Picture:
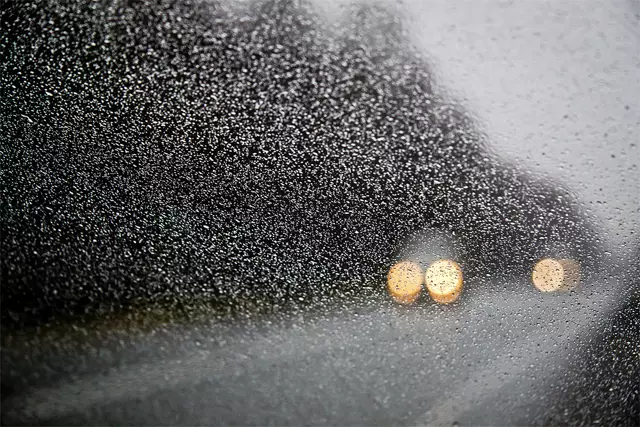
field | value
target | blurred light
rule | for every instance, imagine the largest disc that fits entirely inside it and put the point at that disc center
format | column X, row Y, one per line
column 405, row 282
column 444, row 281
column 551, row 275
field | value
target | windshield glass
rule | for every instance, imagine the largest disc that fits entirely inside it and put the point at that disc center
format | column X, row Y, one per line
column 274, row 212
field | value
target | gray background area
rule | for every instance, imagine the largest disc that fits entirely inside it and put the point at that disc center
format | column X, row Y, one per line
column 555, row 85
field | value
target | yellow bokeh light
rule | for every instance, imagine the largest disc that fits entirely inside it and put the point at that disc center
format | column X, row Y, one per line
column 551, row 275
column 444, row 281
column 405, row 282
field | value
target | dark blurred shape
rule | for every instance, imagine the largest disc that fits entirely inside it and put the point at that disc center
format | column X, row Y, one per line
column 177, row 150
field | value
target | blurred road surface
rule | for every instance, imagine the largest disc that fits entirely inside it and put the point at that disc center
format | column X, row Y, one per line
column 368, row 363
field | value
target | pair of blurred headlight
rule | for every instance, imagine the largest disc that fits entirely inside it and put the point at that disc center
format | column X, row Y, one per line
column 443, row 280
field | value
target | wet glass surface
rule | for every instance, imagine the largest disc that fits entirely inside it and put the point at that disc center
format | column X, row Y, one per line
column 272, row 212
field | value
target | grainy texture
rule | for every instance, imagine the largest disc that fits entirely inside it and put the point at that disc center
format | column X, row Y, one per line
column 162, row 150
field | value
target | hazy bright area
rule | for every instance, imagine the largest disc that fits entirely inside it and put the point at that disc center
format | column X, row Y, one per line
column 554, row 84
